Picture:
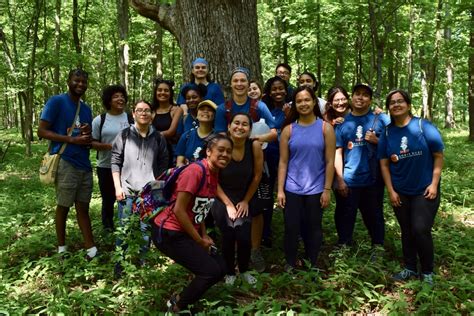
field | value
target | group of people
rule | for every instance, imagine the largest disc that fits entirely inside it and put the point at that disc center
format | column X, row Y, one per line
column 310, row 148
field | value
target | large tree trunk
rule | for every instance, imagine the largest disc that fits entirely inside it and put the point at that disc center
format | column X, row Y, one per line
column 122, row 21
column 222, row 31
column 471, row 80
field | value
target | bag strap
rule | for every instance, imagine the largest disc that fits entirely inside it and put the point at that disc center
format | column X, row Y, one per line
column 63, row 146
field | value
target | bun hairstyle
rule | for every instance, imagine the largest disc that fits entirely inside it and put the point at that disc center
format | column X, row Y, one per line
column 211, row 141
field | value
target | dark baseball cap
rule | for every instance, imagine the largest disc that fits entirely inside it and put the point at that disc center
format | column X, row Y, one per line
column 363, row 85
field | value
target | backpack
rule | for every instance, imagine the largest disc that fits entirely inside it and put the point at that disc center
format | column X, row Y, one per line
column 252, row 111
column 156, row 195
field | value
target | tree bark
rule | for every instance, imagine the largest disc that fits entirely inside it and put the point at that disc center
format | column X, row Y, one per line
column 222, row 31
column 57, row 46
column 123, row 30
column 449, row 121
column 471, row 80
column 75, row 31
column 410, row 51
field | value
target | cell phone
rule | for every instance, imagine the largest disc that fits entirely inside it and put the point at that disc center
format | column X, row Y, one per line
column 213, row 250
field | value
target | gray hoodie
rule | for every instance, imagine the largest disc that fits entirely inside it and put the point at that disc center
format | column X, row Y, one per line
column 141, row 160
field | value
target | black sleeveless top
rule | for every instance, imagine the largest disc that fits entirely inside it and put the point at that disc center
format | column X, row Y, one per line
column 162, row 121
column 236, row 177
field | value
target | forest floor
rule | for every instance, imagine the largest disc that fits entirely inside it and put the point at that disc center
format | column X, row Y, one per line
column 36, row 280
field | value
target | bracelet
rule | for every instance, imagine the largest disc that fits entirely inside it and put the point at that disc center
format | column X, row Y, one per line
column 328, row 189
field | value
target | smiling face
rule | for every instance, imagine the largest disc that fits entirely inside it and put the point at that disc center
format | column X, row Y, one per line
column 163, row 93
column 117, row 102
column 306, row 80
column 361, row 100
column 254, row 91
column 340, row 102
column 77, row 85
column 239, row 84
column 192, row 99
column 205, row 114
column 283, row 73
column 199, row 71
column 219, row 154
column 278, row 92
column 304, row 103
column 239, row 127
column 142, row 113
column 398, row 107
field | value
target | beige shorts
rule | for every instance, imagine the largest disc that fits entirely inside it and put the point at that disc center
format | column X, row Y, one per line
column 72, row 185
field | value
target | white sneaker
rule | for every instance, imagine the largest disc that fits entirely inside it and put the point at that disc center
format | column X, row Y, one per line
column 229, row 279
column 250, row 279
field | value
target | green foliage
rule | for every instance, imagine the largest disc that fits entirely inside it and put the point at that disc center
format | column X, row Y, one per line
column 36, row 280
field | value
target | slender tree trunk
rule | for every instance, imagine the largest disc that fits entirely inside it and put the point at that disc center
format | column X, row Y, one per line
column 75, row 31
column 159, row 51
column 318, row 45
column 57, row 46
column 122, row 21
column 410, row 50
column 339, row 67
column 449, row 121
column 471, row 79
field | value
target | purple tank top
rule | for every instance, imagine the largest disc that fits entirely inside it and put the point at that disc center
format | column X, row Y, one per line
column 306, row 161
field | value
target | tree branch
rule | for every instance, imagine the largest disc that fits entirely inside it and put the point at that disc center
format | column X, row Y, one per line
column 163, row 14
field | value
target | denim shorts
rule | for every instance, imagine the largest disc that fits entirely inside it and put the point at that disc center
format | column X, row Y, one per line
column 72, row 185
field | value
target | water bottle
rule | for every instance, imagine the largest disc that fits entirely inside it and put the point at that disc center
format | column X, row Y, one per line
column 260, row 128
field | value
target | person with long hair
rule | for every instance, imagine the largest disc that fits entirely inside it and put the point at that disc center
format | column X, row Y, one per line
column 166, row 114
column 238, row 183
column 305, row 175
column 179, row 231
column 307, row 78
column 337, row 105
column 255, row 90
column 411, row 160
column 275, row 92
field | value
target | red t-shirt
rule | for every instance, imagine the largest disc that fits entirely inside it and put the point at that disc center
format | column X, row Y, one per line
column 201, row 202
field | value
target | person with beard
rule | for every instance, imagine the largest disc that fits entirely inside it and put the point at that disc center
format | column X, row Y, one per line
column 66, row 119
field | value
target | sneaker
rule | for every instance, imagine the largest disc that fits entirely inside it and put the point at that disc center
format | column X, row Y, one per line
column 250, row 279
column 229, row 279
column 427, row 278
column 172, row 305
column 405, row 275
column 257, row 260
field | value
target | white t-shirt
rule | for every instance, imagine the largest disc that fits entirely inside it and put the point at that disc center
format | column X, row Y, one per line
column 112, row 126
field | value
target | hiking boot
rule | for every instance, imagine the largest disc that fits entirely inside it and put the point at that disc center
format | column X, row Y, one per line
column 428, row 278
column 247, row 277
column 405, row 275
column 230, row 280
column 257, row 260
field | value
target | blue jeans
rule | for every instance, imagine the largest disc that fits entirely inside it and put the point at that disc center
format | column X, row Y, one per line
column 369, row 200
column 124, row 216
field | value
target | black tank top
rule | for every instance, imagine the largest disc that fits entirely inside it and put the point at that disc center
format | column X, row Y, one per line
column 236, row 177
column 162, row 121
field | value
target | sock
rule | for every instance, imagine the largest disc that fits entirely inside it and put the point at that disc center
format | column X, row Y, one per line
column 62, row 249
column 92, row 252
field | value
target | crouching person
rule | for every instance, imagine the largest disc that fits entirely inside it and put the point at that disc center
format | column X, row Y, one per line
column 179, row 231
column 139, row 155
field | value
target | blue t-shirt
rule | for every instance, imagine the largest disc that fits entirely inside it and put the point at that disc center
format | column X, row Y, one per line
column 214, row 93
column 60, row 111
column 186, row 124
column 279, row 117
column 220, row 124
column 190, row 145
column 409, row 150
column 361, row 167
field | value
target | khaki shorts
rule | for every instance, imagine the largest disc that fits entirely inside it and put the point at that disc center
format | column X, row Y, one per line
column 72, row 185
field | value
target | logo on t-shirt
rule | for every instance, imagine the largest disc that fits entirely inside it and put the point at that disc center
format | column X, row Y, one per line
column 359, row 140
column 404, row 145
column 196, row 153
column 359, row 133
column 202, row 206
column 405, row 151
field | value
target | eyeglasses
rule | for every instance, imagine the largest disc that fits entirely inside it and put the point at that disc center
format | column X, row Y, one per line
column 399, row 102
column 143, row 111
column 284, row 73
column 341, row 100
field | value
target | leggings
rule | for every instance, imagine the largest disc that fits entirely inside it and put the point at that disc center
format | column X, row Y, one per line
column 208, row 270
column 107, row 192
column 416, row 218
column 303, row 213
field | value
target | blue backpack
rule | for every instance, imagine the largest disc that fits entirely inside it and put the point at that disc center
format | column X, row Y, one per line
column 156, row 195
